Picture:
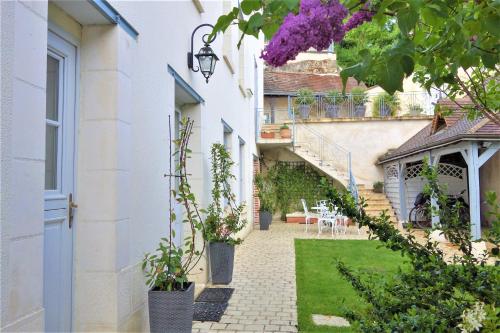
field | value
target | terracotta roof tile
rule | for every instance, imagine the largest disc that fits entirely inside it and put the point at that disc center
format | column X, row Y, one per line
column 289, row 83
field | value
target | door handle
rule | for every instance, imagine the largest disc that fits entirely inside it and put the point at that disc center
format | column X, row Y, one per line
column 71, row 207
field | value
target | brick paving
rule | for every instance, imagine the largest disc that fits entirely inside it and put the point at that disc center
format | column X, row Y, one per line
column 264, row 299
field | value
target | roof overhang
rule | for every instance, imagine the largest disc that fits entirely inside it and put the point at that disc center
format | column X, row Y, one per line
column 439, row 144
column 98, row 12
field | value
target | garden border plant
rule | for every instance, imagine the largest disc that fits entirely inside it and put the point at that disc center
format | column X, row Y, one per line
column 171, row 294
column 222, row 222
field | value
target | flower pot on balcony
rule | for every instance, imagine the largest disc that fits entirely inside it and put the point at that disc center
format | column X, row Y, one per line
column 332, row 110
column 285, row 132
column 304, row 110
column 221, row 262
column 359, row 110
column 171, row 311
column 385, row 111
column 265, row 219
column 267, row 135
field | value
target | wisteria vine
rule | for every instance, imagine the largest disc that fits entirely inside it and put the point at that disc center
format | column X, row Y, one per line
column 317, row 25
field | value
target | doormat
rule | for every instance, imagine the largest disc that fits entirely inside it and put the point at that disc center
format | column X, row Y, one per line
column 215, row 295
column 211, row 304
column 204, row 311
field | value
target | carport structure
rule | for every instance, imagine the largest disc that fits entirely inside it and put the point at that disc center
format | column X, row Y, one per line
column 465, row 151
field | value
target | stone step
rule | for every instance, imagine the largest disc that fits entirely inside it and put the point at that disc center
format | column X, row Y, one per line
column 379, row 204
column 378, row 212
column 372, row 197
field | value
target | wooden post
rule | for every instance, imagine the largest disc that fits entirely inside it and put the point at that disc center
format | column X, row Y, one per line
column 474, row 198
column 402, row 191
column 434, row 161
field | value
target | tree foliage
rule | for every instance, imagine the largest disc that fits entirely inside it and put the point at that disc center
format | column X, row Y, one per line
column 450, row 45
column 377, row 39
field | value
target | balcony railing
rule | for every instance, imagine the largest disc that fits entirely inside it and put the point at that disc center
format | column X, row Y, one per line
column 415, row 104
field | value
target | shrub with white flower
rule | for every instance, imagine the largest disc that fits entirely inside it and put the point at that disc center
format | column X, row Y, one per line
column 472, row 318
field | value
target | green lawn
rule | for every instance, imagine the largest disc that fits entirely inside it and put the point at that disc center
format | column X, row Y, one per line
column 320, row 287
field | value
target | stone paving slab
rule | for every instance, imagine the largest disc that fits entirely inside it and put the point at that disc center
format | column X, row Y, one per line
column 264, row 299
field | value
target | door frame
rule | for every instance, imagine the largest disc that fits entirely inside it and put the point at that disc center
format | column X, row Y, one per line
column 60, row 33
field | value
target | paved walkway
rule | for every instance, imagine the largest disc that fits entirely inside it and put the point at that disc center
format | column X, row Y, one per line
column 264, row 299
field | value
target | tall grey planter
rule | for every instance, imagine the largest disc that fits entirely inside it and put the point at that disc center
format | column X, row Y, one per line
column 221, row 262
column 385, row 111
column 359, row 110
column 171, row 311
column 332, row 110
column 304, row 111
column 265, row 219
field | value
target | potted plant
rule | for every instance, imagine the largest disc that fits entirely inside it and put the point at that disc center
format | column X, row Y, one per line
column 378, row 187
column 415, row 110
column 265, row 194
column 266, row 134
column 305, row 98
column 285, row 132
column 222, row 223
column 385, row 105
column 333, row 101
column 171, row 294
column 359, row 99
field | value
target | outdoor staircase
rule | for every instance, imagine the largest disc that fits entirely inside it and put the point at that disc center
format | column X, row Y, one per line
column 376, row 203
column 311, row 157
column 333, row 161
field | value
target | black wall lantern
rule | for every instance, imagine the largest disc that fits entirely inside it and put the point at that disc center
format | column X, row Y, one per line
column 206, row 56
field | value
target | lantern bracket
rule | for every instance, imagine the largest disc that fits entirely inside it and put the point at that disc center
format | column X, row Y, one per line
column 206, row 41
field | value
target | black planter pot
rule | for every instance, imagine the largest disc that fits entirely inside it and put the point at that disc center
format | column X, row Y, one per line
column 171, row 311
column 221, row 262
column 332, row 110
column 265, row 219
column 359, row 110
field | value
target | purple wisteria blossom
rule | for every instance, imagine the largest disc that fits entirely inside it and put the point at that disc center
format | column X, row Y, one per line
column 317, row 25
column 358, row 18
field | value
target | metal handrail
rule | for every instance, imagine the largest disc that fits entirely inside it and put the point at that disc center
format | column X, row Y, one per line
column 325, row 145
column 327, row 150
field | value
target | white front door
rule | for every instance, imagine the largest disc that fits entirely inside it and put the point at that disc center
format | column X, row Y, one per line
column 59, row 183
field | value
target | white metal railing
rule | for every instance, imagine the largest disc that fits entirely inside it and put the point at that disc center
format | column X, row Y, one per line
column 376, row 105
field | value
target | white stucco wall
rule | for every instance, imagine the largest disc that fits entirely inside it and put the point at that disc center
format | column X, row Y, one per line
column 23, row 71
column 125, row 97
column 367, row 140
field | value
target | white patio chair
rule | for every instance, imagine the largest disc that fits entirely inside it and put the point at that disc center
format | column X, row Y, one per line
column 307, row 213
column 321, row 203
column 341, row 222
column 327, row 219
